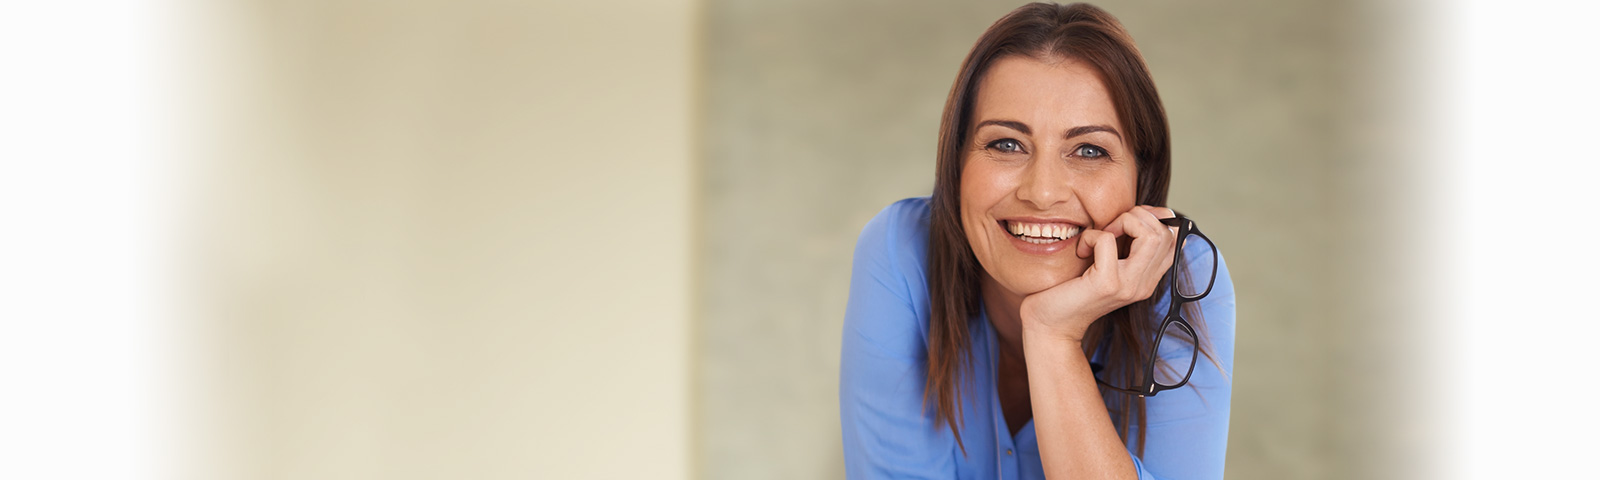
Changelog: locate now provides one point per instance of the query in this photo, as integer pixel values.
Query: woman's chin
(1032, 283)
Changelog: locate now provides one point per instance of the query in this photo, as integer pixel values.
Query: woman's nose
(1044, 184)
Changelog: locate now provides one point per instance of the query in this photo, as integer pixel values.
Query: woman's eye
(1091, 151)
(1006, 145)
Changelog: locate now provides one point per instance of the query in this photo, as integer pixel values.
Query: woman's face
(1045, 159)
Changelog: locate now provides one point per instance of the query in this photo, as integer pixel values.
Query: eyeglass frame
(1149, 387)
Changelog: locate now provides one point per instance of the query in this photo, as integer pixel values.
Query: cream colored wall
(447, 239)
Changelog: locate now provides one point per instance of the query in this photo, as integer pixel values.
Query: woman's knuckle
(1111, 286)
(1137, 295)
(1129, 295)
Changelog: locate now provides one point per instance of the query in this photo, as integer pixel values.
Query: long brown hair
(1047, 31)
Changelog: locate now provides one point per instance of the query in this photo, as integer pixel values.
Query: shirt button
(1008, 451)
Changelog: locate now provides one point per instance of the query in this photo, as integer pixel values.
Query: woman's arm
(1076, 437)
(887, 432)
(1186, 430)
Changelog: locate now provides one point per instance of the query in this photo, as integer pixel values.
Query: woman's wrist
(1065, 330)
(1055, 356)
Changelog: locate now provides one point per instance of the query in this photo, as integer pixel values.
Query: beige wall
(446, 239)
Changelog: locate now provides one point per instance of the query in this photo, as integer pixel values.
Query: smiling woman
(979, 317)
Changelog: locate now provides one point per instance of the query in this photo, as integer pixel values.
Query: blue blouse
(889, 433)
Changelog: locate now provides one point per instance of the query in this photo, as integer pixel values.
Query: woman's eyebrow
(1070, 133)
(1011, 124)
(1087, 129)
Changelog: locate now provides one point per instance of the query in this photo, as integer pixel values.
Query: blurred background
(487, 239)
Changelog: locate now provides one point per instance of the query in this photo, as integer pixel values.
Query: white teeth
(1043, 232)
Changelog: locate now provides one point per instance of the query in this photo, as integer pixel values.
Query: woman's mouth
(1041, 233)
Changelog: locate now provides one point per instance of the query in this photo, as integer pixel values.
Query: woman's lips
(1040, 238)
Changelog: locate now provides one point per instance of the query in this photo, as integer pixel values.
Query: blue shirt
(889, 433)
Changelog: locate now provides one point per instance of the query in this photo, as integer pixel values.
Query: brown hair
(1047, 31)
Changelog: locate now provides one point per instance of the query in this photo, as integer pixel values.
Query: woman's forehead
(1046, 95)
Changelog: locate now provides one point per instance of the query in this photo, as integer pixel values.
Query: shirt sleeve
(887, 431)
(1188, 427)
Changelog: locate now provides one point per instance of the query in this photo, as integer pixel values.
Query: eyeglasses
(1175, 341)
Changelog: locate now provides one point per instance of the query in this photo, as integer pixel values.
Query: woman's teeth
(1042, 233)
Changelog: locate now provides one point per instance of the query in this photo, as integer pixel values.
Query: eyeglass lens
(1177, 352)
(1200, 258)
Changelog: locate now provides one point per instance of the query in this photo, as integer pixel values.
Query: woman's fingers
(1150, 237)
(1162, 213)
(1086, 242)
(1140, 216)
(1149, 256)
(1103, 246)
(1158, 212)
(1140, 222)
(1164, 254)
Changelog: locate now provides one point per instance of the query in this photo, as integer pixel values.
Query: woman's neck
(1004, 309)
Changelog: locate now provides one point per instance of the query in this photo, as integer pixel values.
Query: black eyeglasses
(1176, 334)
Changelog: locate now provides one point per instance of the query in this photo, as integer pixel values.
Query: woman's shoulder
(905, 221)
(889, 286)
(899, 235)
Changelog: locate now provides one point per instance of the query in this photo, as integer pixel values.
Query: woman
(1009, 325)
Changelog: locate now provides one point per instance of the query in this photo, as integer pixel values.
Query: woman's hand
(1066, 310)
